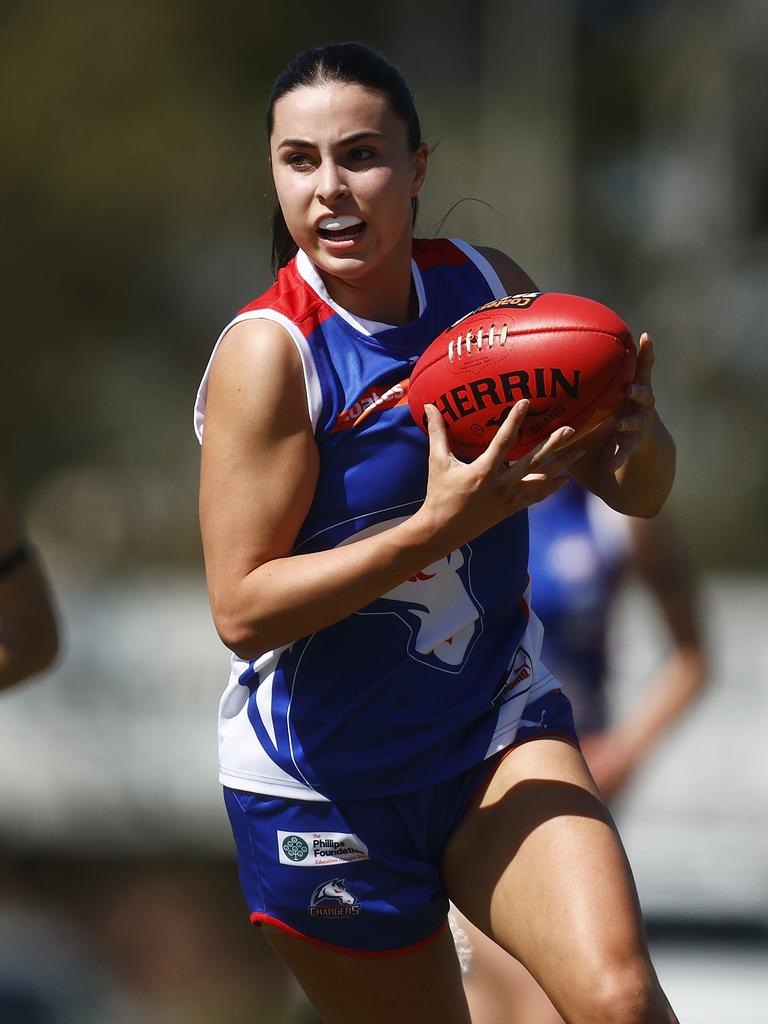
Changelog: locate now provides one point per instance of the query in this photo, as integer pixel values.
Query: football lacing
(471, 339)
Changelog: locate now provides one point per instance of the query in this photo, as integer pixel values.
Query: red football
(570, 356)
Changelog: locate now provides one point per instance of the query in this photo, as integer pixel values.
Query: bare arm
(660, 559)
(629, 464)
(259, 471)
(28, 633)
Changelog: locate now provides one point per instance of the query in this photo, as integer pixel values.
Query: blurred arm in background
(29, 639)
(660, 560)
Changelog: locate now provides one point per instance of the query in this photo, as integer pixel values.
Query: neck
(388, 295)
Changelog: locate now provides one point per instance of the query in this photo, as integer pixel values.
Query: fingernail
(568, 431)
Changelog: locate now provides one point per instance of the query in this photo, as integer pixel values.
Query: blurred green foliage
(608, 138)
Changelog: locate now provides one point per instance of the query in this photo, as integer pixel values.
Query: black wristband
(9, 562)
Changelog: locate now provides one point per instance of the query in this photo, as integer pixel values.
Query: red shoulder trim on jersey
(429, 252)
(292, 296)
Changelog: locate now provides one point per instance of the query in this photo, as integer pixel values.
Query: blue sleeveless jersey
(425, 681)
(578, 552)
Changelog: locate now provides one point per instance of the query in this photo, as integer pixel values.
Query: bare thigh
(410, 988)
(538, 866)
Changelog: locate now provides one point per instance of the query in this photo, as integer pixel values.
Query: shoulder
(254, 352)
(511, 274)
(255, 379)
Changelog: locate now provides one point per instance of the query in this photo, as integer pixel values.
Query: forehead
(331, 110)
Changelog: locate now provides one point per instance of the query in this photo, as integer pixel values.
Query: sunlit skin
(338, 149)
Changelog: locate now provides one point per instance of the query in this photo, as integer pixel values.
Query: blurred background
(614, 149)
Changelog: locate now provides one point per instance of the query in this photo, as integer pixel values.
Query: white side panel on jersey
(308, 272)
(243, 764)
(485, 268)
(530, 688)
(311, 379)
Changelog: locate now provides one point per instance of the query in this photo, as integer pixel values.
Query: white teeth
(339, 223)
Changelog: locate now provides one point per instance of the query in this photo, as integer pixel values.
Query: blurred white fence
(115, 750)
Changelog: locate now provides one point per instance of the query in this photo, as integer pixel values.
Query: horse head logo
(334, 891)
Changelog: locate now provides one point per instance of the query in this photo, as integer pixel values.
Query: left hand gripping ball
(571, 357)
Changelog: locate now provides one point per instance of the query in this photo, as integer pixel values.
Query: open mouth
(340, 229)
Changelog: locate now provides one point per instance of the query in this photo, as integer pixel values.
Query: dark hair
(356, 64)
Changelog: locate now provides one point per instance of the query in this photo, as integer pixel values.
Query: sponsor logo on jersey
(522, 301)
(319, 849)
(520, 672)
(293, 849)
(375, 399)
(333, 899)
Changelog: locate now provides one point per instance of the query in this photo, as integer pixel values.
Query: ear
(420, 158)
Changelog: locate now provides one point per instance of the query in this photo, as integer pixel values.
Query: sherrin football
(570, 356)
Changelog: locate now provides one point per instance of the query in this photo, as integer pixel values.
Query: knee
(629, 994)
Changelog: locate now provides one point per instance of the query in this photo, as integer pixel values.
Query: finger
(645, 359)
(631, 424)
(506, 435)
(641, 394)
(438, 433)
(556, 466)
(624, 450)
(539, 455)
(538, 490)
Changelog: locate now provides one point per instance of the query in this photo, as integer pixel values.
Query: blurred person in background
(29, 637)
(582, 555)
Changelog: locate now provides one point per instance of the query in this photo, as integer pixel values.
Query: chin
(348, 266)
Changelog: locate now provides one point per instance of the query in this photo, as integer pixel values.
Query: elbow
(650, 509)
(647, 502)
(244, 637)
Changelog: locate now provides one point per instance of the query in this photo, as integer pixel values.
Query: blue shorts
(364, 876)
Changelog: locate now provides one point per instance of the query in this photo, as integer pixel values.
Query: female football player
(373, 592)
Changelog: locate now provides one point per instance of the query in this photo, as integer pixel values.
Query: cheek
(385, 187)
(292, 194)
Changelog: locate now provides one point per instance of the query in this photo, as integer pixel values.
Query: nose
(331, 183)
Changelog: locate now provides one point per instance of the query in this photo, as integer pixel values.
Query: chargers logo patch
(333, 899)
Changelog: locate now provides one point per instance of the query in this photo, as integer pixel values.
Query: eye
(360, 154)
(299, 160)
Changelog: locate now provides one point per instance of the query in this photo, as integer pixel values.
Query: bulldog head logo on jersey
(437, 605)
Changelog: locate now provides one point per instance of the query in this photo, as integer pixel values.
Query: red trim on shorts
(260, 919)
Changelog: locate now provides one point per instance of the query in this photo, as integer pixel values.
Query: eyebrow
(346, 141)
